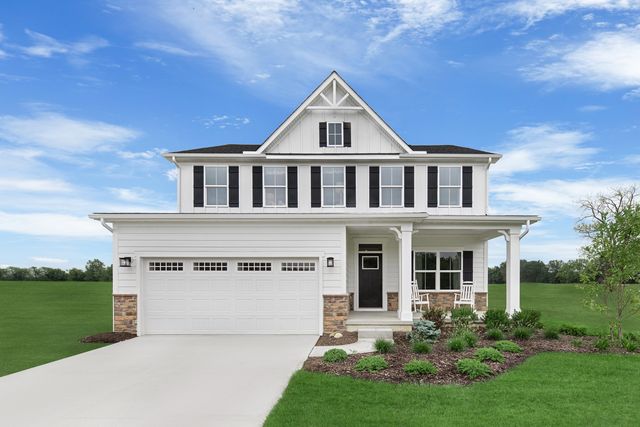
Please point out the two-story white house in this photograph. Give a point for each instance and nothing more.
(333, 216)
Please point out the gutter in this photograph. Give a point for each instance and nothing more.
(104, 224)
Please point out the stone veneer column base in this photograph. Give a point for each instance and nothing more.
(125, 313)
(336, 312)
(444, 300)
(392, 301)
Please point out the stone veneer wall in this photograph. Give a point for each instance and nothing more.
(336, 312)
(125, 313)
(444, 300)
(392, 301)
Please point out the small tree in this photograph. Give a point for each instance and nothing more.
(612, 225)
(94, 271)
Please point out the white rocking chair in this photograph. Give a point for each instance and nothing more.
(418, 299)
(466, 296)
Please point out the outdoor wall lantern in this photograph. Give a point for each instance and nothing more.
(330, 261)
(125, 261)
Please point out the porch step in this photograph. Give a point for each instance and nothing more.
(359, 320)
(375, 333)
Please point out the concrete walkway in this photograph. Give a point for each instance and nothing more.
(158, 381)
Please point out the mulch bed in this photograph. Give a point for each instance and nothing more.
(108, 337)
(347, 338)
(445, 360)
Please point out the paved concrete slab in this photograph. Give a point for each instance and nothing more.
(211, 380)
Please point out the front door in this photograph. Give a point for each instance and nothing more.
(370, 281)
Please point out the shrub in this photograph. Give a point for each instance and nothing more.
(462, 318)
(522, 333)
(419, 367)
(436, 315)
(575, 331)
(551, 334)
(496, 319)
(629, 344)
(631, 337)
(602, 344)
(424, 330)
(456, 344)
(576, 342)
(383, 346)
(421, 347)
(473, 368)
(508, 346)
(494, 334)
(334, 355)
(489, 353)
(526, 319)
(469, 337)
(372, 364)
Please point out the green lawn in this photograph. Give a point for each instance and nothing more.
(44, 321)
(548, 389)
(558, 304)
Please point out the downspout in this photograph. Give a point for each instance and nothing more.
(104, 224)
(486, 185)
(526, 229)
(173, 160)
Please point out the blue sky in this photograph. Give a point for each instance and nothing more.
(92, 91)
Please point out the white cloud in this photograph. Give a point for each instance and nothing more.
(143, 155)
(35, 185)
(591, 108)
(132, 194)
(531, 148)
(632, 94)
(607, 61)
(165, 48)
(51, 224)
(56, 131)
(172, 174)
(536, 10)
(223, 121)
(45, 46)
(49, 260)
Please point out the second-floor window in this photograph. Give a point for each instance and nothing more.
(391, 186)
(334, 135)
(333, 186)
(450, 186)
(275, 186)
(216, 185)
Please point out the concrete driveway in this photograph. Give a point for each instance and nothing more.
(165, 380)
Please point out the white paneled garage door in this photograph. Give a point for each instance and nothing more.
(217, 296)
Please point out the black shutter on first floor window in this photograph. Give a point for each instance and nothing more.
(346, 129)
(323, 134)
(467, 266)
(350, 180)
(292, 186)
(467, 186)
(374, 186)
(316, 187)
(408, 186)
(432, 186)
(198, 186)
(257, 186)
(234, 187)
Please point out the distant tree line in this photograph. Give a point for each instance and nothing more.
(555, 271)
(94, 271)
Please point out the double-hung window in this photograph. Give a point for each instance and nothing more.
(438, 270)
(216, 182)
(275, 186)
(450, 186)
(391, 186)
(333, 186)
(334, 135)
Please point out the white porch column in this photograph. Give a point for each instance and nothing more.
(513, 271)
(404, 297)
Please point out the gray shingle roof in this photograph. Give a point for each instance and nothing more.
(240, 148)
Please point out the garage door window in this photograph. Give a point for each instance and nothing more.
(209, 266)
(298, 266)
(254, 266)
(165, 266)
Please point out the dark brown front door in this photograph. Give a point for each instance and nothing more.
(370, 280)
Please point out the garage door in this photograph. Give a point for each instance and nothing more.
(214, 296)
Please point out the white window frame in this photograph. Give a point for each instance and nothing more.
(459, 205)
(344, 186)
(206, 198)
(341, 134)
(265, 186)
(401, 186)
(376, 257)
(437, 271)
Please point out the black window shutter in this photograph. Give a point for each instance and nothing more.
(374, 186)
(467, 186)
(292, 186)
(234, 187)
(323, 134)
(467, 266)
(316, 187)
(351, 186)
(257, 186)
(346, 129)
(408, 186)
(198, 186)
(432, 186)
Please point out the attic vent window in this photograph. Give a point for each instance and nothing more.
(334, 135)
